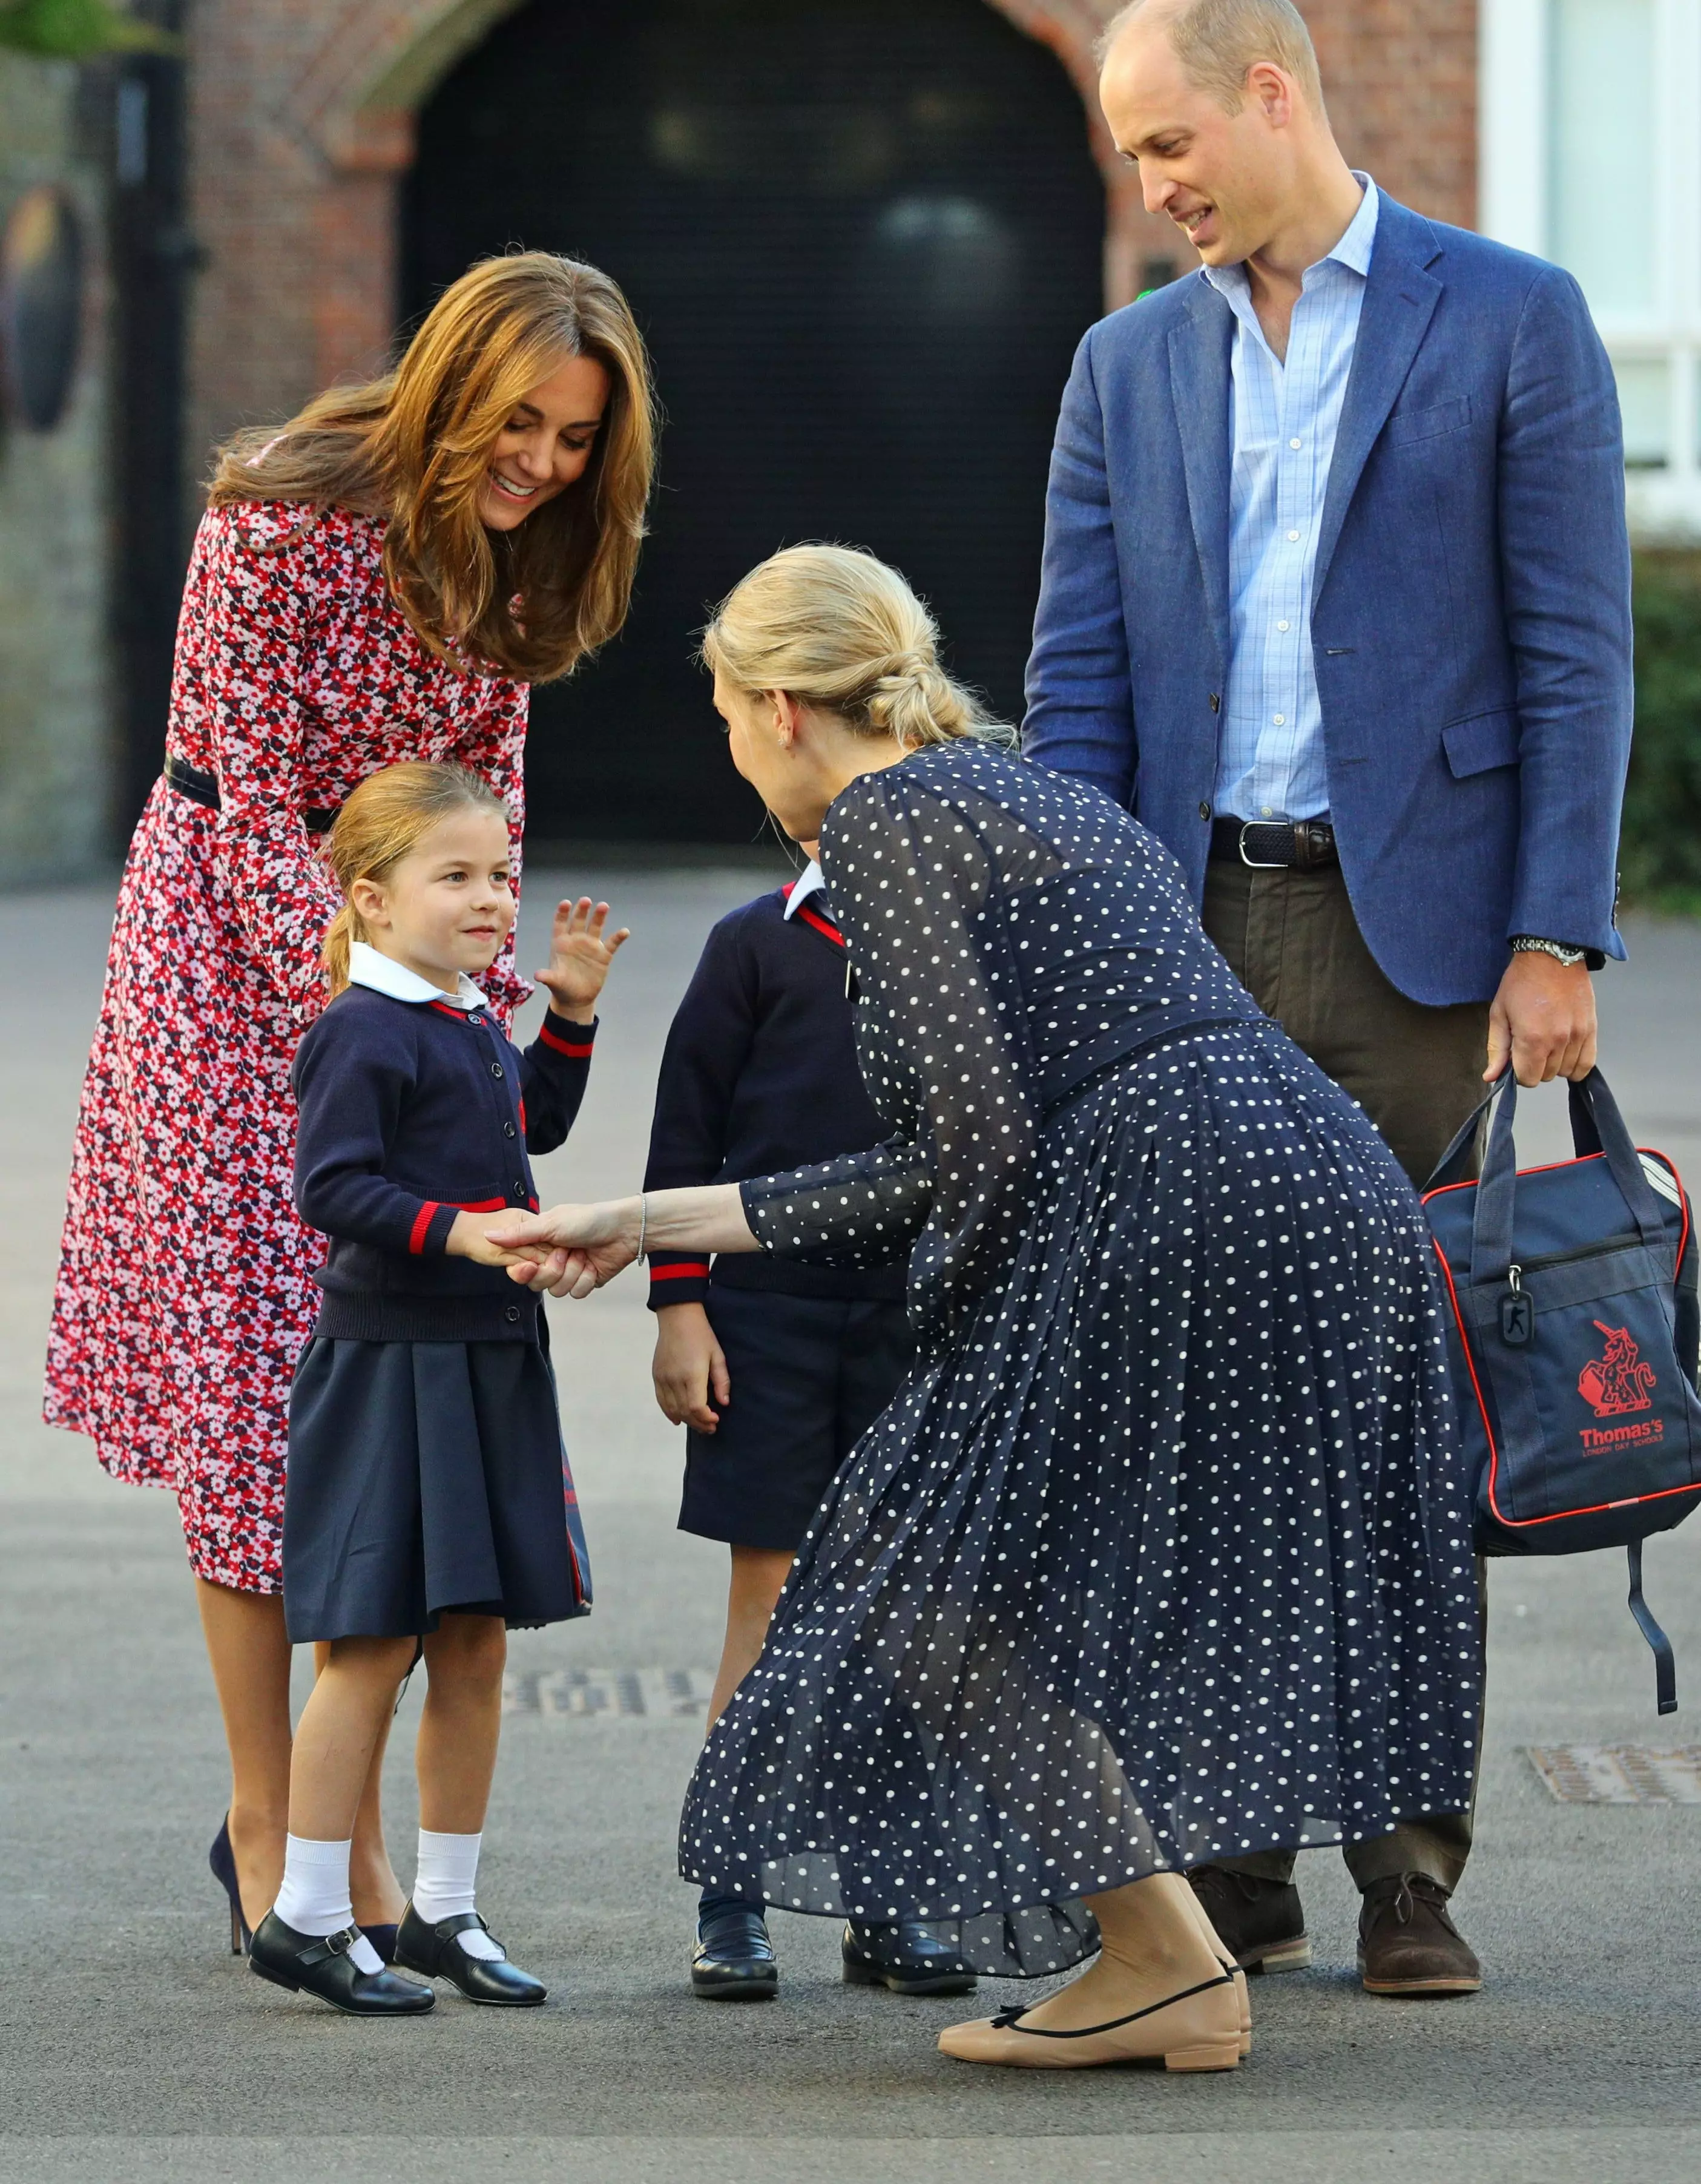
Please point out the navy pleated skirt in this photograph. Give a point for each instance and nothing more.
(425, 1477)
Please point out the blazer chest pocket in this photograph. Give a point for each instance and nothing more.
(1405, 426)
(1484, 741)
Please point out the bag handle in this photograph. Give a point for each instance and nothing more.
(1597, 1127)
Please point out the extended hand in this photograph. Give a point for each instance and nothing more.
(1543, 1017)
(570, 1250)
(580, 957)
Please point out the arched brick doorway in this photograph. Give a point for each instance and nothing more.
(863, 239)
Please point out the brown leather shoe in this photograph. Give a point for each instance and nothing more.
(1407, 1945)
(1260, 1923)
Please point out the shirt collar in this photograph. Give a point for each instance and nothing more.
(1353, 251)
(813, 882)
(384, 975)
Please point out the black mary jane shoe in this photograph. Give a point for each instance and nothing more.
(321, 1964)
(436, 1953)
(732, 1959)
(906, 1958)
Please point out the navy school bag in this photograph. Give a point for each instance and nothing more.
(1573, 1331)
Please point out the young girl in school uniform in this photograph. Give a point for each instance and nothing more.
(427, 1504)
(775, 1368)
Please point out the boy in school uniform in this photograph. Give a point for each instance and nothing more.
(775, 1368)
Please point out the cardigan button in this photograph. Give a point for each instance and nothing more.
(507, 1129)
(520, 1192)
(496, 1069)
(513, 1314)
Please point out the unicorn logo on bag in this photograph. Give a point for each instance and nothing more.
(1617, 1381)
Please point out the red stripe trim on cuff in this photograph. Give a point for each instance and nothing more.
(480, 1205)
(563, 1046)
(696, 1269)
(423, 1221)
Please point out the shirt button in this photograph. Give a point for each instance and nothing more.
(1281, 719)
(1293, 538)
(1293, 443)
(1269, 811)
(496, 1069)
(1283, 625)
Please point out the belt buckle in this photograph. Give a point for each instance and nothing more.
(1256, 864)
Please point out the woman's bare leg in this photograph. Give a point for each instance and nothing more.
(373, 1882)
(249, 1654)
(758, 1577)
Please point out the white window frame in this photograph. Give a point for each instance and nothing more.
(1513, 79)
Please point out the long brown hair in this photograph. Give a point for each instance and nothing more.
(383, 820)
(414, 445)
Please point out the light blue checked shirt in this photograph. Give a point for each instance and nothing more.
(1282, 424)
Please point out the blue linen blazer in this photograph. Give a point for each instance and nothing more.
(1471, 618)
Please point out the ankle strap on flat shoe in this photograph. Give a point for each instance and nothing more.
(459, 1922)
(1010, 2020)
(327, 1945)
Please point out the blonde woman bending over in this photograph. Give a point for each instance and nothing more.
(1160, 1553)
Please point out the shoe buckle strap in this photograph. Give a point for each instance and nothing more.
(329, 1945)
(460, 1922)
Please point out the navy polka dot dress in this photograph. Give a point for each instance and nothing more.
(1162, 1552)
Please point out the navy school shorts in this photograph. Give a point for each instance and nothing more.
(809, 1377)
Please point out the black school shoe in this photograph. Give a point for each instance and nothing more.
(436, 1953)
(321, 1964)
(905, 1957)
(732, 1959)
(1260, 1923)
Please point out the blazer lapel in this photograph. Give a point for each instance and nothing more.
(1199, 386)
(1400, 299)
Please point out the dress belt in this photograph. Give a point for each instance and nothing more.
(202, 788)
(1303, 845)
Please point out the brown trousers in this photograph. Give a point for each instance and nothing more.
(1291, 939)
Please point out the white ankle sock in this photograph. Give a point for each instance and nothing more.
(315, 1897)
(446, 1884)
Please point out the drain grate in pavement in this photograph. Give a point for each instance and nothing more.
(1619, 1773)
(610, 1694)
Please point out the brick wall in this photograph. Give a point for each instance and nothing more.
(301, 123)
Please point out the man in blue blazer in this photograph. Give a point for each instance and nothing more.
(1336, 599)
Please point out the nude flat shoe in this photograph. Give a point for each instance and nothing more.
(1197, 2030)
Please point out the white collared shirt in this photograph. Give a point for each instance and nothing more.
(384, 975)
(1283, 423)
(813, 882)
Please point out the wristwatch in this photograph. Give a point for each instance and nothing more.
(1526, 944)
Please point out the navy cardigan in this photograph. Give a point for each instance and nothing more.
(760, 1076)
(412, 1112)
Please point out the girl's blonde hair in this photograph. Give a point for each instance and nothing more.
(843, 632)
(414, 447)
(385, 819)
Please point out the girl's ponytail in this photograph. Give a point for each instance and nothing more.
(386, 819)
(334, 954)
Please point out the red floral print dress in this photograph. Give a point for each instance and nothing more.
(184, 1291)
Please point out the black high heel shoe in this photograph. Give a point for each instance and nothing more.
(223, 1861)
(321, 1963)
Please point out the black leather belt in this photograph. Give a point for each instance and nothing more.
(1301, 845)
(202, 787)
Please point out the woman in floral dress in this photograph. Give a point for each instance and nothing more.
(382, 580)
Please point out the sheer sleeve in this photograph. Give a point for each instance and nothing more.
(943, 1049)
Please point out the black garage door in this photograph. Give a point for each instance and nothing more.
(862, 237)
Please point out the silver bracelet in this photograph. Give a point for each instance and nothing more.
(643, 1219)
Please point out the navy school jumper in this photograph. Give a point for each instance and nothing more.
(411, 1112)
(760, 1076)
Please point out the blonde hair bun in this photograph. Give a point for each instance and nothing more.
(841, 631)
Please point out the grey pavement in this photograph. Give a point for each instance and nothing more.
(132, 2046)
